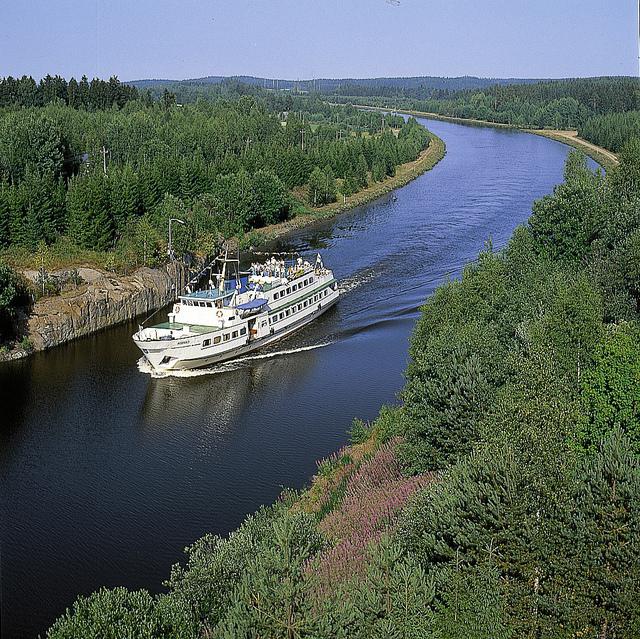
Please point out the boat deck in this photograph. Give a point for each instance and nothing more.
(195, 328)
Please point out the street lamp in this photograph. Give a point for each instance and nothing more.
(170, 246)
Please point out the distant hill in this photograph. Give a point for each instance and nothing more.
(331, 85)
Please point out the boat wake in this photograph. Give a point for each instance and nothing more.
(225, 367)
(355, 281)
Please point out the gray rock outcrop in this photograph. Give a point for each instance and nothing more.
(103, 300)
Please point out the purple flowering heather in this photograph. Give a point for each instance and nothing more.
(374, 495)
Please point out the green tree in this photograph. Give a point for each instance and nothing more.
(610, 392)
(315, 186)
(272, 198)
(14, 295)
(565, 224)
(604, 546)
(90, 222)
(117, 613)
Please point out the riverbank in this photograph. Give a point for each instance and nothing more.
(101, 301)
(110, 299)
(404, 174)
(84, 414)
(602, 156)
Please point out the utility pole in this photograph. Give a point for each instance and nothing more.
(104, 157)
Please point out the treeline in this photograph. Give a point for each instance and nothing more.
(415, 87)
(605, 94)
(599, 95)
(518, 512)
(562, 113)
(97, 94)
(611, 131)
(557, 104)
(104, 178)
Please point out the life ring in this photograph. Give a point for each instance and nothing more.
(219, 313)
(176, 309)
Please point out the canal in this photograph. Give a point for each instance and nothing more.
(108, 473)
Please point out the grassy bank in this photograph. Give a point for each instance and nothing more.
(602, 156)
(438, 116)
(309, 215)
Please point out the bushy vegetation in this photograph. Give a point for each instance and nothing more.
(14, 297)
(109, 178)
(501, 499)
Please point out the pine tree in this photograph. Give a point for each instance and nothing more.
(361, 171)
(90, 222)
(315, 187)
(273, 599)
(606, 542)
(123, 196)
(330, 188)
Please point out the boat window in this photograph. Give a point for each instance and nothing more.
(311, 279)
(288, 290)
(226, 337)
(288, 312)
(216, 340)
(294, 287)
(207, 342)
(243, 331)
(209, 305)
(276, 296)
(235, 334)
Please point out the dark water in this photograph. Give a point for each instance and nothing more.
(107, 474)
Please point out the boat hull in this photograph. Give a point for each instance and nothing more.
(182, 358)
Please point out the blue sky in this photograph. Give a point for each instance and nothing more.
(307, 38)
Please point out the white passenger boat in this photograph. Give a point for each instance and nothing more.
(239, 315)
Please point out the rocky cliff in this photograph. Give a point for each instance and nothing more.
(101, 301)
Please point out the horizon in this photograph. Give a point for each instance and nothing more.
(366, 39)
(319, 78)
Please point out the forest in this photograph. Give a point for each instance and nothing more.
(97, 94)
(611, 130)
(556, 104)
(107, 178)
(500, 499)
(416, 87)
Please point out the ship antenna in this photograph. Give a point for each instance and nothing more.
(224, 270)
